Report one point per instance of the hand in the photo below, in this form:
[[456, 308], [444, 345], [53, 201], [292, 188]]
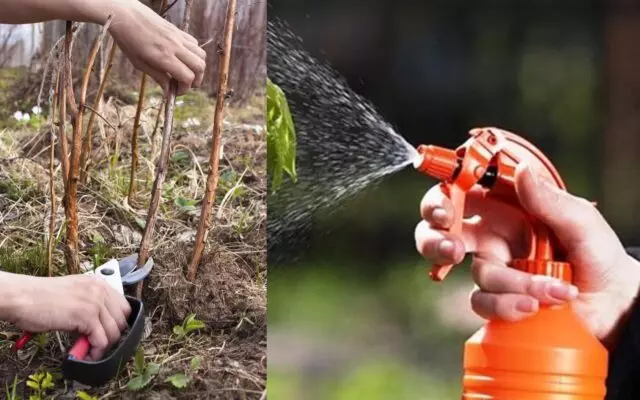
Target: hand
[[76, 303], [606, 279], [156, 46]]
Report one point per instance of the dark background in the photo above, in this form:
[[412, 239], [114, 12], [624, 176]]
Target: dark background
[[563, 74]]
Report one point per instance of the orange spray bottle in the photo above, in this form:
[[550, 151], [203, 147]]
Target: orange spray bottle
[[550, 355]]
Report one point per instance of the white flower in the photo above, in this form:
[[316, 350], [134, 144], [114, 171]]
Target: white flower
[[195, 122], [185, 124], [179, 102], [17, 115], [25, 117], [36, 110]]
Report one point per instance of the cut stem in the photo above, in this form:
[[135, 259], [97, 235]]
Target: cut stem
[[214, 159]]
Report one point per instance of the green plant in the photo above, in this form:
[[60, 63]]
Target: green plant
[[11, 392], [40, 382], [180, 380], [85, 396], [144, 373], [189, 325], [281, 137]]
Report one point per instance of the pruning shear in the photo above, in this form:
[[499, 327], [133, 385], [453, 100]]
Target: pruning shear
[[117, 273]]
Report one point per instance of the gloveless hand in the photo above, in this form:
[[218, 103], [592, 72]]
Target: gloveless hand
[[75, 303], [153, 44], [606, 279]]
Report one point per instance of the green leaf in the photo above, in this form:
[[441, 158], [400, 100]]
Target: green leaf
[[178, 380], [186, 205], [35, 385], [137, 383], [152, 369], [193, 324], [139, 360], [196, 362], [178, 331], [85, 396], [281, 137], [141, 223]]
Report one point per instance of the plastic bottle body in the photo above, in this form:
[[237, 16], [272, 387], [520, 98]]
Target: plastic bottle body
[[549, 356]]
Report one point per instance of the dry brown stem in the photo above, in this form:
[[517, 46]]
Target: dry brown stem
[[85, 157], [71, 206], [214, 159], [134, 140], [52, 189], [161, 169]]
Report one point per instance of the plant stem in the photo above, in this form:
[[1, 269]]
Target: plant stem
[[73, 260], [214, 159], [52, 189], [161, 169], [86, 156], [134, 140]]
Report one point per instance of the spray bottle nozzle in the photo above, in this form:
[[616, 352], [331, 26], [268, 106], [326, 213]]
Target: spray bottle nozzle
[[438, 162]]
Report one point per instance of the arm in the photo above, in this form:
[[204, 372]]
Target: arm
[[154, 45], [32, 11], [624, 359]]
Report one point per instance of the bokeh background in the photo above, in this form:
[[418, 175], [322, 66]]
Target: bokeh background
[[356, 316]]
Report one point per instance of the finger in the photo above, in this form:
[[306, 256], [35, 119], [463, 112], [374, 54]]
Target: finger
[[98, 340], [195, 63], [196, 49], [571, 218], [189, 38], [161, 78], [178, 71], [110, 326], [440, 247], [507, 306], [116, 310], [492, 276], [437, 208]]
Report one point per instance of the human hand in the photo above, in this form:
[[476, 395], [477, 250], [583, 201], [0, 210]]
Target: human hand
[[75, 303], [606, 279], [156, 46]]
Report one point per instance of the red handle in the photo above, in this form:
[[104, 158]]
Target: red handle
[[80, 349], [22, 341]]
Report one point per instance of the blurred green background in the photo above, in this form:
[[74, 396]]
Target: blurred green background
[[356, 316]]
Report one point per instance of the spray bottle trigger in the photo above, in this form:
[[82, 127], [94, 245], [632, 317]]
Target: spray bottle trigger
[[457, 196]]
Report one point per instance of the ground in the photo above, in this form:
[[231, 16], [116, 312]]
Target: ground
[[226, 358]]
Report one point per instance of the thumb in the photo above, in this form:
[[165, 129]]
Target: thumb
[[568, 216]]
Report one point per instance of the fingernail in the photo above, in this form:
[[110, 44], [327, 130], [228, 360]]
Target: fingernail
[[561, 291], [527, 305], [439, 215], [446, 248]]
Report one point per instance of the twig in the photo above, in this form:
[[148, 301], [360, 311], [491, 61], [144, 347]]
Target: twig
[[161, 170], [214, 159], [95, 112], [52, 189], [134, 140], [153, 134], [85, 158], [62, 103], [71, 247], [165, 9]]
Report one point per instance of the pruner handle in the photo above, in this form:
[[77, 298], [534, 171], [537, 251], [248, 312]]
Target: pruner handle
[[457, 196]]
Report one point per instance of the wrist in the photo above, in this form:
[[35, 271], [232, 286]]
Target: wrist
[[626, 295], [97, 11]]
